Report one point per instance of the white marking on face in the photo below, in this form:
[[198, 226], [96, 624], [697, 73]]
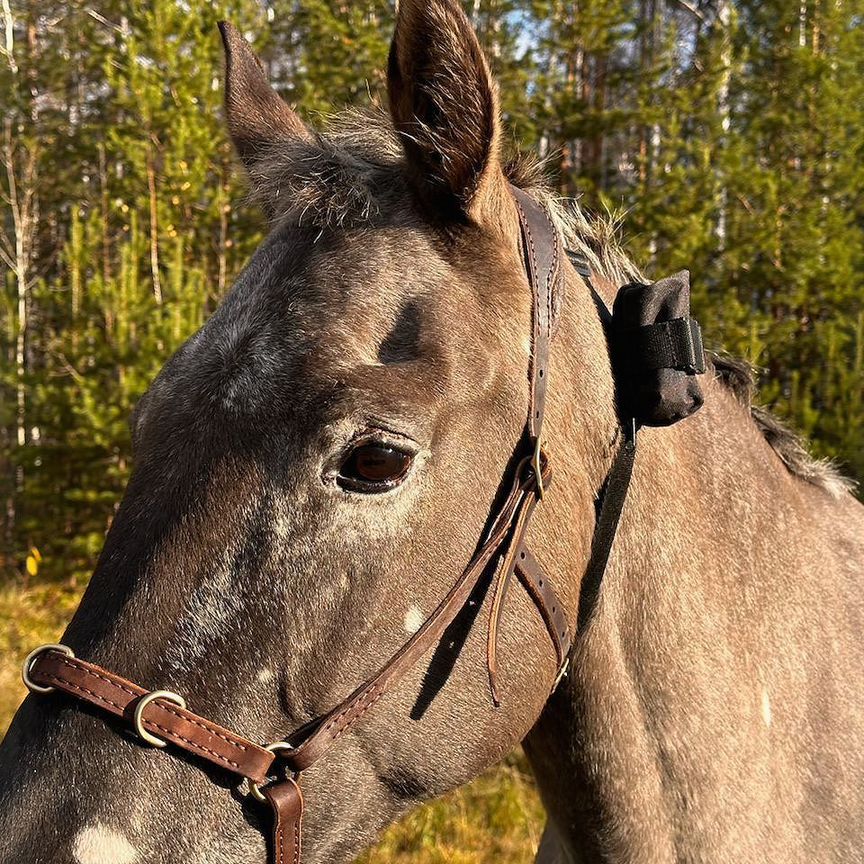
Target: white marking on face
[[210, 608], [97, 844], [766, 707], [414, 619]]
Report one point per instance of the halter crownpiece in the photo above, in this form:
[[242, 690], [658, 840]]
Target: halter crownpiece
[[161, 717]]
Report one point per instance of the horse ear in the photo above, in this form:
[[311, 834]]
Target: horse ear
[[444, 105], [257, 115]]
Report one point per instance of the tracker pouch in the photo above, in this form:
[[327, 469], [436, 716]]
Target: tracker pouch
[[657, 352]]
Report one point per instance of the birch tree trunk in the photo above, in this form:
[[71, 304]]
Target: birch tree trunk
[[724, 22]]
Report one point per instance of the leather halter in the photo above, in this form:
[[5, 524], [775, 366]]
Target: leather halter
[[161, 717]]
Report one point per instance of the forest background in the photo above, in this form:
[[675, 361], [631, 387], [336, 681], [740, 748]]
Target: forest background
[[730, 132]]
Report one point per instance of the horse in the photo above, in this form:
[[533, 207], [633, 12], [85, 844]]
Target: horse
[[316, 465]]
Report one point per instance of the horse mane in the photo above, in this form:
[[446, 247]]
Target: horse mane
[[353, 172], [740, 377]]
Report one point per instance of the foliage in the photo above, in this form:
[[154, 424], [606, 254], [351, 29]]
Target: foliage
[[32, 616]]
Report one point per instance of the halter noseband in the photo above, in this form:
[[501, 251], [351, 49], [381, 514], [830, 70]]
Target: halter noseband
[[666, 348]]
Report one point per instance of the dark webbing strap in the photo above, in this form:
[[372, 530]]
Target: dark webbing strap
[[675, 344], [613, 495]]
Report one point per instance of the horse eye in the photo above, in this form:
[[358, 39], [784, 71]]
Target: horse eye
[[374, 468]]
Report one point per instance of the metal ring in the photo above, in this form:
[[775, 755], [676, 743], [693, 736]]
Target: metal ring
[[138, 717], [255, 788], [32, 657]]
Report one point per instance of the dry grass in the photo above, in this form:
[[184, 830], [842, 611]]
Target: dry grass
[[28, 617], [498, 818]]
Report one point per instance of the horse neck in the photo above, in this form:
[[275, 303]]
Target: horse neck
[[714, 527]]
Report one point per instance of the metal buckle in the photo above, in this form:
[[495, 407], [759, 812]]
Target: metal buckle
[[255, 788], [630, 430], [138, 717], [537, 467], [32, 657]]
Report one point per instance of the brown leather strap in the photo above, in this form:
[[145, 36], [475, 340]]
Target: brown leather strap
[[161, 718], [286, 801], [500, 585], [335, 724], [542, 248], [541, 245], [542, 591]]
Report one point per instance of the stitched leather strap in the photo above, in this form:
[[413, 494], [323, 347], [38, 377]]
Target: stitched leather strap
[[190, 732], [613, 497], [541, 244], [286, 802], [331, 727]]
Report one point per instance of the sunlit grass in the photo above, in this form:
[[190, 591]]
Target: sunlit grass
[[498, 818], [28, 617]]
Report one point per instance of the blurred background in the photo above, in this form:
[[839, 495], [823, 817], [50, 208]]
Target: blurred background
[[731, 134]]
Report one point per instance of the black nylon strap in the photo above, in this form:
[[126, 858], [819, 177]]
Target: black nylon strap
[[675, 344], [580, 263], [614, 493]]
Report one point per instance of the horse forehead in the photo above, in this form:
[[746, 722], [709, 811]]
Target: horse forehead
[[351, 291], [312, 310], [297, 287], [374, 262]]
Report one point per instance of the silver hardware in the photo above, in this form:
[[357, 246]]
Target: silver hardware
[[277, 747], [138, 718], [32, 657], [537, 467]]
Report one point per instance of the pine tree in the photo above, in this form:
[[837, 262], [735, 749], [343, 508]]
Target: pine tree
[[794, 253], [333, 52], [143, 244]]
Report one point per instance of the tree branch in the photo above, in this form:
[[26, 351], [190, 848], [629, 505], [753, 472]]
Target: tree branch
[[102, 20], [689, 7], [9, 36]]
